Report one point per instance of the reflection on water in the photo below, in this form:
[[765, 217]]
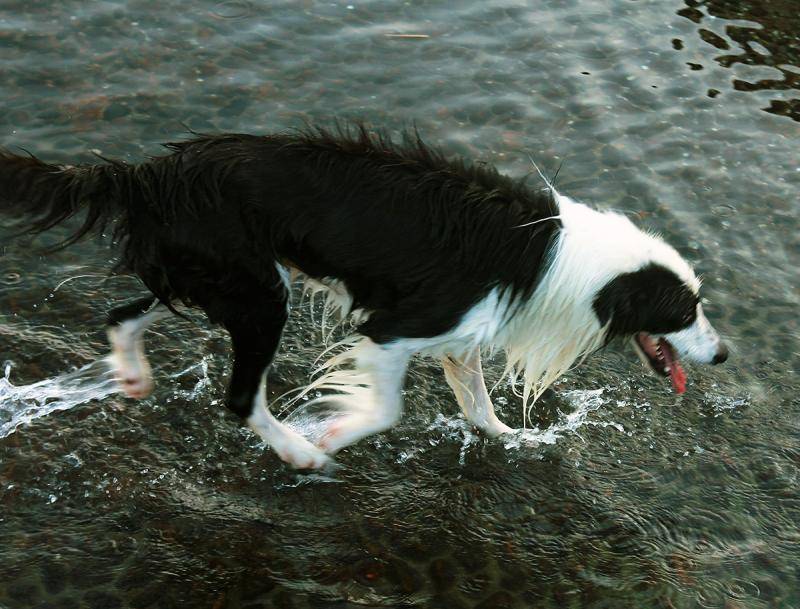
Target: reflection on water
[[620, 495], [760, 40]]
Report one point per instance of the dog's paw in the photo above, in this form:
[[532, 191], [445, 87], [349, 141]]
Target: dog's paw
[[344, 431], [303, 457], [496, 428], [132, 374], [300, 453], [135, 387]]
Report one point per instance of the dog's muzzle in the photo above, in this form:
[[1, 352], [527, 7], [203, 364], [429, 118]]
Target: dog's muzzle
[[699, 342]]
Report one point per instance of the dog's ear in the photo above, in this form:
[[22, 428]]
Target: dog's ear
[[652, 299], [622, 303]]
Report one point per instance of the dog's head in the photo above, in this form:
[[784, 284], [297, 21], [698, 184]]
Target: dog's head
[[644, 290], [662, 314]]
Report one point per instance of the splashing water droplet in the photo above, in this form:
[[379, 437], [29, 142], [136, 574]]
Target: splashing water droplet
[[21, 404]]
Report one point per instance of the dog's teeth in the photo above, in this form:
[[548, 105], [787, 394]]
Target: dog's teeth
[[667, 369]]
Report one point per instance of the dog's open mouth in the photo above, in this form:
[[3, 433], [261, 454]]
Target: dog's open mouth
[[661, 356]]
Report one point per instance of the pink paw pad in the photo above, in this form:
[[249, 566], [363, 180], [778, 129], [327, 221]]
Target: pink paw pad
[[136, 388]]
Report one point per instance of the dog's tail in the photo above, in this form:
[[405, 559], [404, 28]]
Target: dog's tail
[[38, 195]]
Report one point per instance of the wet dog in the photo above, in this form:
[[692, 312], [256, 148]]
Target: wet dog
[[429, 255]]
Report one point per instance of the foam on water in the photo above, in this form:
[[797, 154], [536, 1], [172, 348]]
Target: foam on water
[[21, 404], [584, 401], [722, 403], [204, 381]]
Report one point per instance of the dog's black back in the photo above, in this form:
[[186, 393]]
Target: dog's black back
[[405, 229]]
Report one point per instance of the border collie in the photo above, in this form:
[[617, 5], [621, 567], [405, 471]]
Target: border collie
[[430, 255]]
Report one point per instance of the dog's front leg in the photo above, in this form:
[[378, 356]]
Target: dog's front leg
[[465, 378], [255, 342]]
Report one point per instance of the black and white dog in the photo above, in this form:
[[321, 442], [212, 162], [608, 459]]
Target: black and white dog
[[431, 255]]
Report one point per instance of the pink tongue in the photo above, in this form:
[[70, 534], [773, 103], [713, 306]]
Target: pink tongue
[[676, 373], [678, 377]]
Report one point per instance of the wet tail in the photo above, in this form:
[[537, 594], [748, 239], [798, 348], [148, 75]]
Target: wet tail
[[38, 195]]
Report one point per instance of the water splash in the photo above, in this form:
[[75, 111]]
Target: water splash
[[451, 428], [311, 420], [21, 404], [722, 403], [204, 381], [584, 401]]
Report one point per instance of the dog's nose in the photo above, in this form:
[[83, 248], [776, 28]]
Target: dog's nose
[[722, 354]]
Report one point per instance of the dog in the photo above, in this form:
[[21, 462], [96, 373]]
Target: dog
[[429, 255]]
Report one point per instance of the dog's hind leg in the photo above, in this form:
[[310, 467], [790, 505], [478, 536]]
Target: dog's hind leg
[[465, 378], [369, 398], [255, 329], [126, 327]]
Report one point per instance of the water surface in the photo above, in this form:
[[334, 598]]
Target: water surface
[[682, 115]]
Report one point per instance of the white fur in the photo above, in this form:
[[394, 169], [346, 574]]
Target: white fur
[[366, 379], [290, 446], [367, 395], [607, 244], [131, 368], [699, 342], [557, 326], [480, 325], [285, 276], [337, 300], [465, 378]]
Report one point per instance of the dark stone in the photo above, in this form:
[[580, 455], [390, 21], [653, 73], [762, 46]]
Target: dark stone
[[446, 602], [68, 603], [476, 586], [115, 110], [513, 578], [23, 592], [146, 597], [442, 573], [474, 561], [235, 107], [506, 109], [133, 579], [54, 577], [714, 39], [282, 600], [498, 600], [254, 587], [167, 601], [94, 599], [403, 576], [691, 13], [369, 571], [611, 156]]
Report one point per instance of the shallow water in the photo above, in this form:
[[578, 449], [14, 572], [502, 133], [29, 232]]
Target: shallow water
[[683, 115]]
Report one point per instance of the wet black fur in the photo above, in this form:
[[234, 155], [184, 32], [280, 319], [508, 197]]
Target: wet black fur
[[652, 299], [416, 238]]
